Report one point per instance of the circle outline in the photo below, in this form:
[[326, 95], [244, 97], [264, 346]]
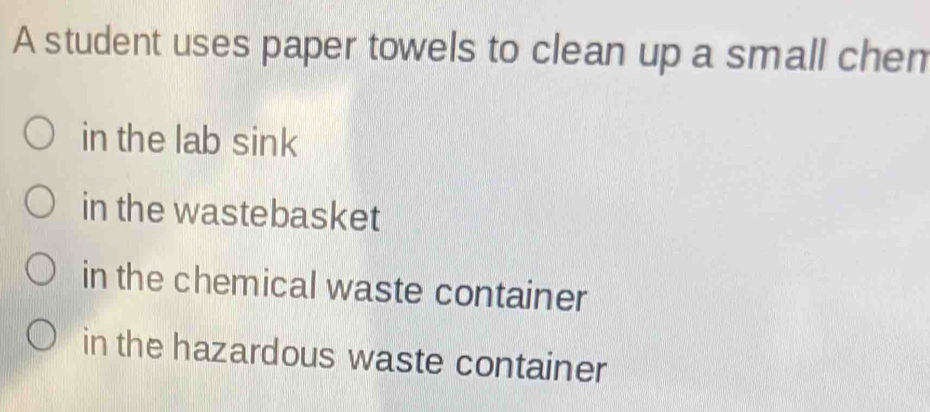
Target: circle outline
[[54, 334], [54, 268], [26, 132], [50, 193]]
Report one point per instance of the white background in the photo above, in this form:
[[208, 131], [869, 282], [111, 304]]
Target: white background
[[751, 240]]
